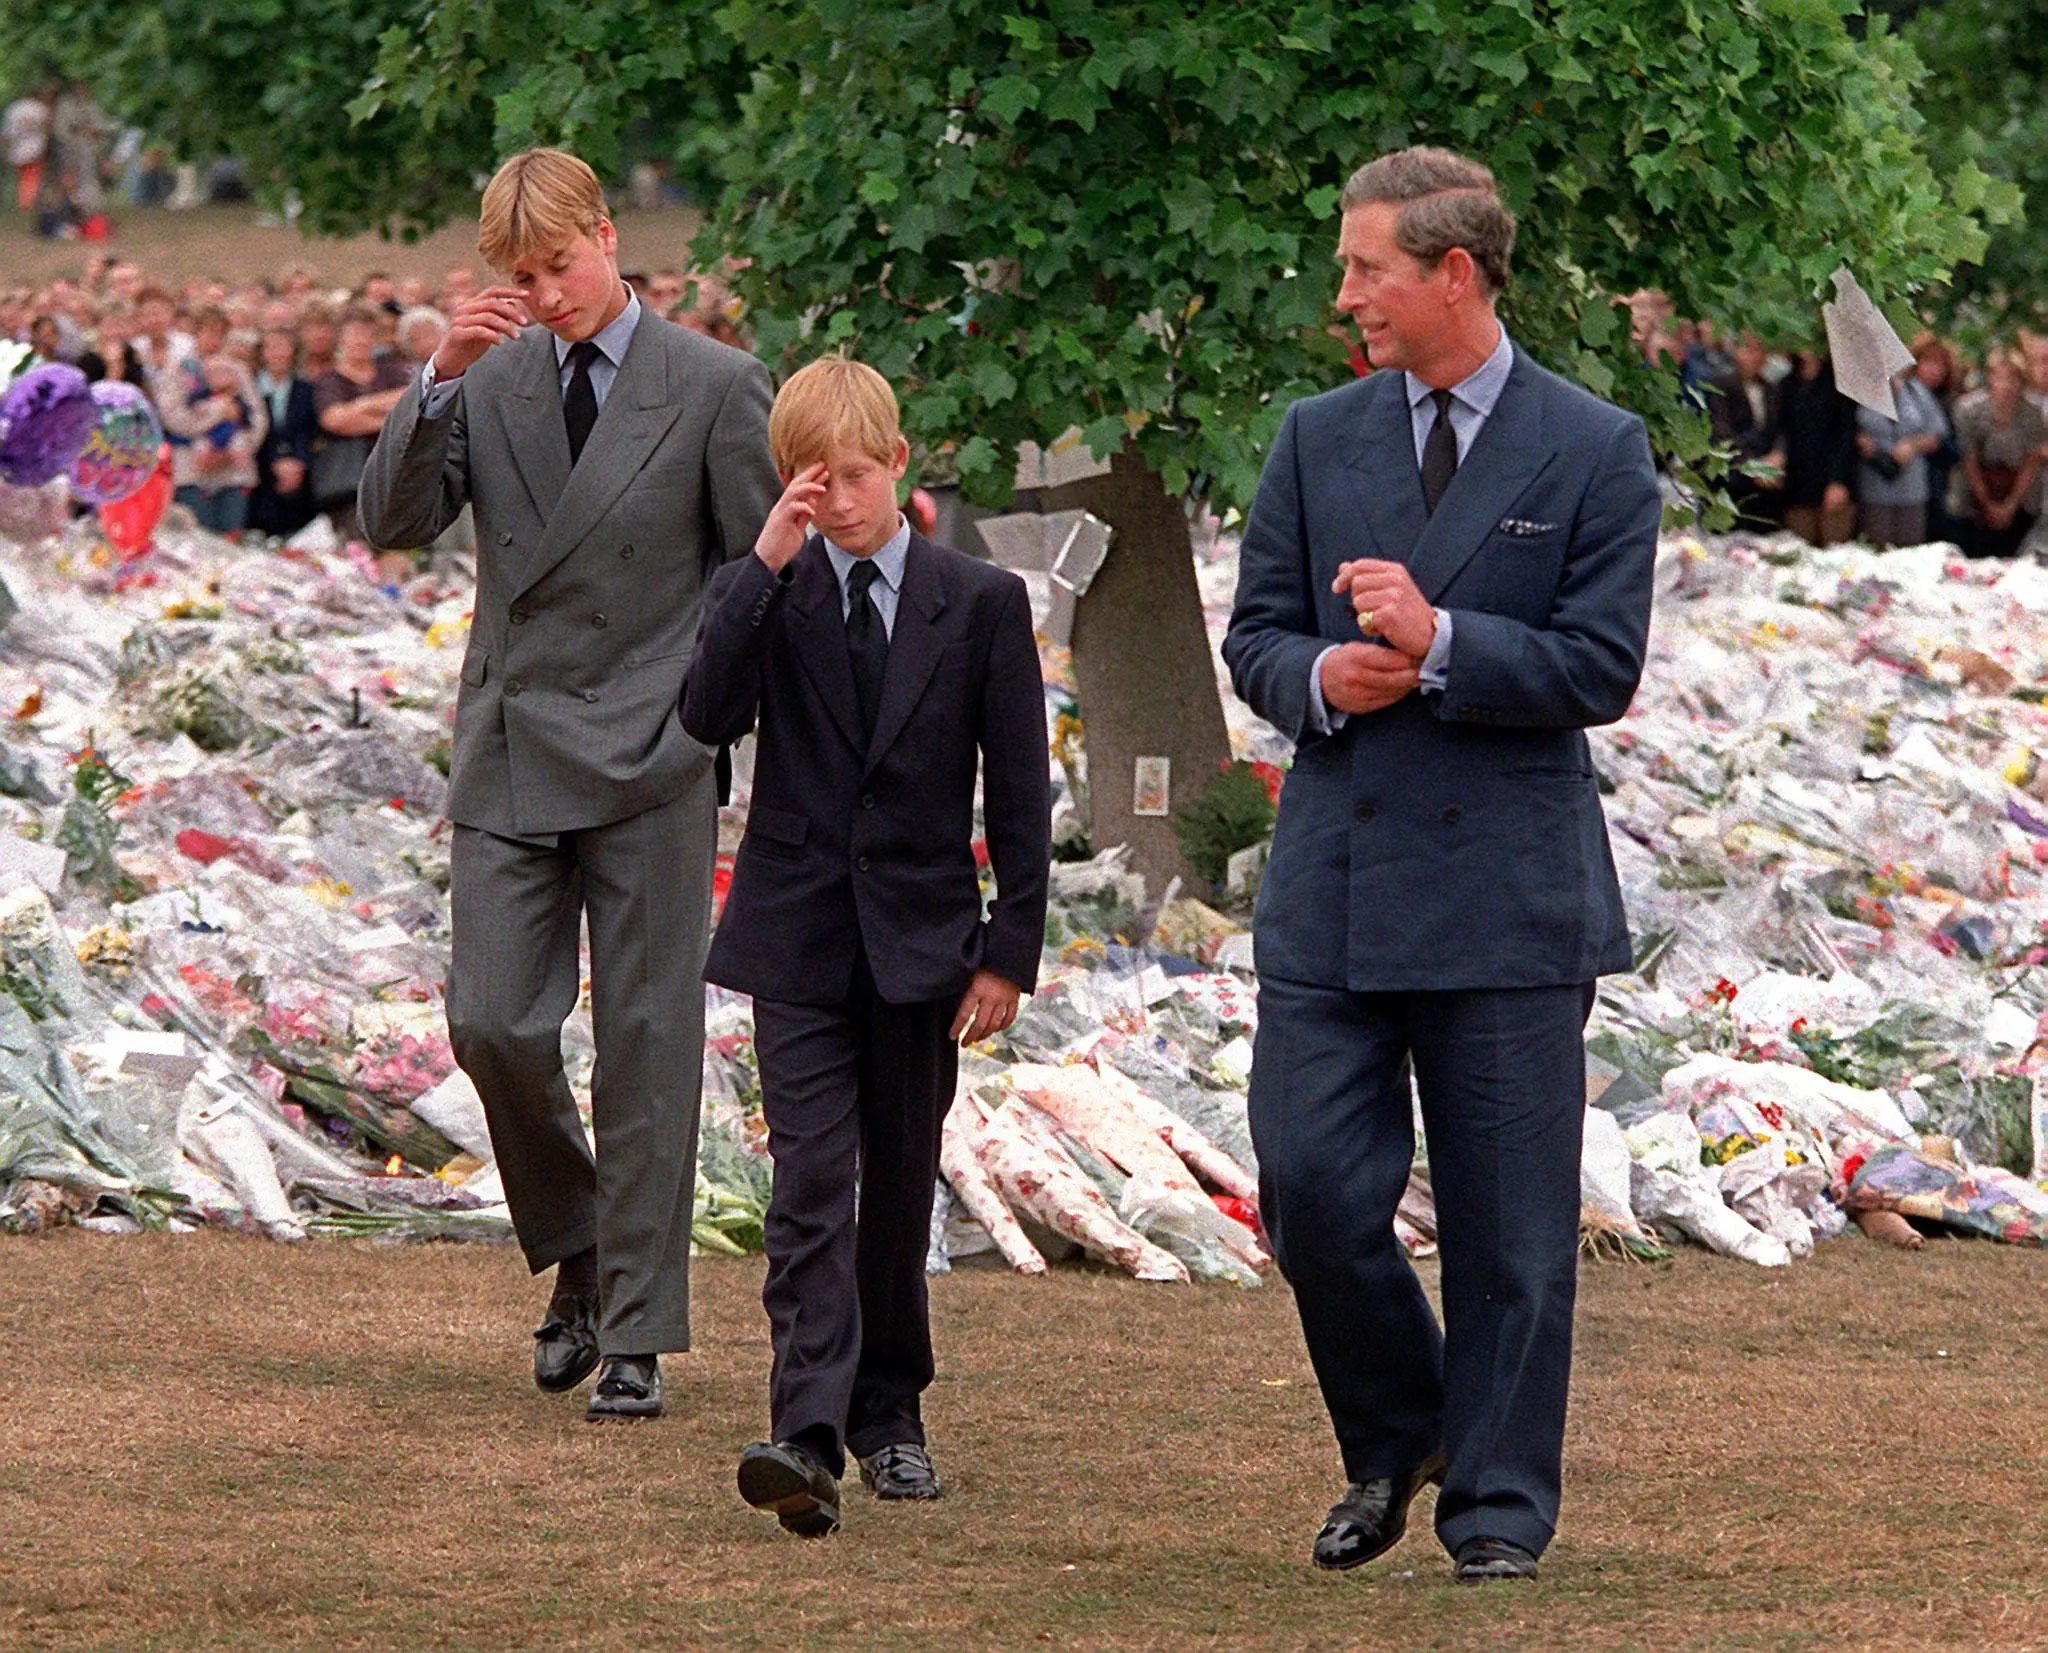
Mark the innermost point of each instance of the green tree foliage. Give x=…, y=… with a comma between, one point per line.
x=1986, y=97
x=1142, y=193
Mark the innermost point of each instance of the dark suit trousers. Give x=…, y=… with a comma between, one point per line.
x=513, y=982
x=859, y=1086
x=1502, y=1083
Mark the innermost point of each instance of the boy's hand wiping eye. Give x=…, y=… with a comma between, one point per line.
x=789, y=524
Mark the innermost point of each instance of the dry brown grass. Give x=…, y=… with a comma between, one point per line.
x=227, y=1443
x=231, y=242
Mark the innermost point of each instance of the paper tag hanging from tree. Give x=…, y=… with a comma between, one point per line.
x=1866, y=351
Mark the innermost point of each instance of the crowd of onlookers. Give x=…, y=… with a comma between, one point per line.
x=271, y=392
x=1962, y=462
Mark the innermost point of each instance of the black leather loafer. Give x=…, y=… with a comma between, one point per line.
x=628, y=1389
x=901, y=1471
x=1481, y=1559
x=1372, y=1515
x=787, y=1480
x=565, y=1346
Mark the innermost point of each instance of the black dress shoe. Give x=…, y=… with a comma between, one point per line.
x=565, y=1346
x=900, y=1471
x=1480, y=1559
x=628, y=1388
x=788, y=1480
x=1371, y=1516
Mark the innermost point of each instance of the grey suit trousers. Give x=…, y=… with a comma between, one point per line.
x=512, y=983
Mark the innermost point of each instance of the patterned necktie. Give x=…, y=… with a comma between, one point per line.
x=579, y=404
x=867, y=642
x=1439, y=453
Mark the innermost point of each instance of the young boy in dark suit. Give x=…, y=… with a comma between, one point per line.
x=878, y=666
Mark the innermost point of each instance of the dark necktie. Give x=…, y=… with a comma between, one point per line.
x=579, y=404
x=1439, y=453
x=867, y=642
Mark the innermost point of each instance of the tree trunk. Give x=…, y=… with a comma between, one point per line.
x=1143, y=673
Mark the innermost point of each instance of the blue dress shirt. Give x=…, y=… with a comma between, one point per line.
x=888, y=586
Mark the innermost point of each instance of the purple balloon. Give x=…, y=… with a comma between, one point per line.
x=46, y=416
x=120, y=452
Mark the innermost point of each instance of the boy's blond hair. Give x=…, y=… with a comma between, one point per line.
x=835, y=402
x=537, y=202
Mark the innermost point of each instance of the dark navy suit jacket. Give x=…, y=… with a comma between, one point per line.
x=1450, y=840
x=873, y=846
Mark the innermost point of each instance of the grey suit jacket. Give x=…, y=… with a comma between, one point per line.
x=1450, y=840
x=589, y=580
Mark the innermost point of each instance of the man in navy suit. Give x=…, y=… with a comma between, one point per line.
x=1445, y=581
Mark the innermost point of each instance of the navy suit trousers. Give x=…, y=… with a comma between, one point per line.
x=1500, y=1074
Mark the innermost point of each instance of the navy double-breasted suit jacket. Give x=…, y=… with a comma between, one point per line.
x=1452, y=840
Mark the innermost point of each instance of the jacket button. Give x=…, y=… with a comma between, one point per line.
x=626, y=551
x=519, y=616
x=599, y=621
x=590, y=694
x=867, y=800
x=1363, y=812
x=504, y=538
x=513, y=685
x=862, y=864
x=1453, y=815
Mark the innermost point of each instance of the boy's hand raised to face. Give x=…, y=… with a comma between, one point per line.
x=987, y=1007
x=789, y=524
x=494, y=316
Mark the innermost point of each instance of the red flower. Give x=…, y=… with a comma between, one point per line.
x=1722, y=992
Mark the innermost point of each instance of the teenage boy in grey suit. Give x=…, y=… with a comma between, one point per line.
x=1440, y=894
x=614, y=460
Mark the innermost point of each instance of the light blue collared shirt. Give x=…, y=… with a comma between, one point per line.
x=1473, y=399
x=888, y=586
x=611, y=341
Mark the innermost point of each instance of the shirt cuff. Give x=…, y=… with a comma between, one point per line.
x=435, y=397
x=1321, y=718
x=1436, y=664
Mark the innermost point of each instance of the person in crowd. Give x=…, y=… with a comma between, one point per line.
x=1817, y=426
x=1948, y=509
x=297, y=285
x=115, y=347
x=319, y=330
x=1744, y=406
x=458, y=285
x=282, y=502
x=25, y=129
x=378, y=291
x=1894, y=478
x=420, y=331
x=2001, y=431
x=215, y=437
x=350, y=402
x=2033, y=355
x=157, y=338
x=575, y=793
x=209, y=331
x=412, y=292
x=663, y=291
x=1440, y=900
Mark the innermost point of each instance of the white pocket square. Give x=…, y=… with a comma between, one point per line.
x=1523, y=528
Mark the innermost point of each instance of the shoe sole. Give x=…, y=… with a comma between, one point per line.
x=621, y=1414
x=785, y=1492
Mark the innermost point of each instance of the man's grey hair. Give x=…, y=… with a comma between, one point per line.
x=1446, y=201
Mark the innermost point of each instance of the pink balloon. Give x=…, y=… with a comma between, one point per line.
x=120, y=454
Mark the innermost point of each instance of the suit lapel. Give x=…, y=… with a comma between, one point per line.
x=1507, y=455
x=535, y=432
x=820, y=637
x=638, y=412
x=1382, y=451
x=913, y=646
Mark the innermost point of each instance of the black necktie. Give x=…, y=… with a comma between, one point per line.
x=867, y=642
x=579, y=405
x=1439, y=453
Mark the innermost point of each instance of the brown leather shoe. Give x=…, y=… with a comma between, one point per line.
x=1372, y=1515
